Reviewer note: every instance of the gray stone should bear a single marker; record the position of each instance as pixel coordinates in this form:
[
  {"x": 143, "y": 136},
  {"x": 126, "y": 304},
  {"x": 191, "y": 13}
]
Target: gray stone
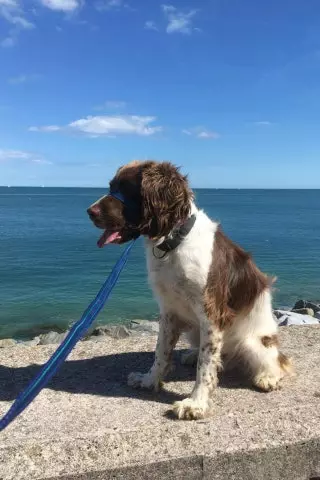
[
  {"x": 144, "y": 327},
  {"x": 7, "y": 342},
  {"x": 32, "y": 343},
  {"x": 114, "y": 331},
  {"x": 304, "y": 311},
  {"x": 52, "y": 338},
  {"x": 88, "y": 425}
]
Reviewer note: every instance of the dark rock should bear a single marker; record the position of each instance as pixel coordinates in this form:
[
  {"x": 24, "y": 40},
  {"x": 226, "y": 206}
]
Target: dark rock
[
  {"x": 306, "y": 304},
  {"x": 278, "y": 314}
]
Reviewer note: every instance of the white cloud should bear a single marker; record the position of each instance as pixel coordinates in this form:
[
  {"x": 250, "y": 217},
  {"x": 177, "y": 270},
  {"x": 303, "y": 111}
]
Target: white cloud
[
  {"x": 99, "y": 126},
  {"x": 8, "y": 42},
  {"x": 47, "y": 128},
  {"x": 150, "y": 25},
  {"x": 104, "y": 5},
  {"x": 20, "y": 155},
  {"x": 208, "y": 134},
  {"x": 23, "y": 78},
  {"x": 202, "y": 133},
  {"x": 263, "y": 123},
  {"x": 12, "y": 12},
  {"x": 178, "y": 21},
  {"x": 111, "y": 105},
  {"x": 62, "y": 5}
]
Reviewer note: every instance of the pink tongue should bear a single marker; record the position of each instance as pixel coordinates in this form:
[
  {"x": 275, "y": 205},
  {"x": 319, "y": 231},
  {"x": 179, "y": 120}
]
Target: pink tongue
[{"x": 108, "y": 238}]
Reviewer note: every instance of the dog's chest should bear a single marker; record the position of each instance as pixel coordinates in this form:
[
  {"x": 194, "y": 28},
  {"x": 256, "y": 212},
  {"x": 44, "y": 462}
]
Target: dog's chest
[{"x": 179, "y": 279}]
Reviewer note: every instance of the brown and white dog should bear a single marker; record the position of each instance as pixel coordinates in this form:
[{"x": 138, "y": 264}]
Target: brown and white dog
[{"x": 204, "y": 283}]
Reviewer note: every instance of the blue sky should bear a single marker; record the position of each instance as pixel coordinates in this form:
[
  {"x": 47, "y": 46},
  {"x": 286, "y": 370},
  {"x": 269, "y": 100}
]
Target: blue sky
[{"x": 228, "y": 89}]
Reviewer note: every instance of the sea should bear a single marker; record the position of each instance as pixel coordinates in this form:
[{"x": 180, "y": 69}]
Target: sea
[{"x": 51, "y": 268}]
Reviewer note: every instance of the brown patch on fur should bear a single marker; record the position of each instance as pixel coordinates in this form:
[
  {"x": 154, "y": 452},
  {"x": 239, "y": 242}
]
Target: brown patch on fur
[
  {"x": 271, "y": 341},
  {"x": 285, "y": 363},
  {"x": 234, "y": 282},
  {"x": 166, "y": 198}
]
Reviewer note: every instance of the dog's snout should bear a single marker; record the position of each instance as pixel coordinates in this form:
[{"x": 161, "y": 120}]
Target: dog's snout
[{"x": 94, "y": 211}]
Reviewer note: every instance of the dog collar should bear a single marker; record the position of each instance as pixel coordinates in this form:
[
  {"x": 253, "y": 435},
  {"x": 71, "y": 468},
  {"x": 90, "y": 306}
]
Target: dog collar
[{"x": 178, "y": 236}]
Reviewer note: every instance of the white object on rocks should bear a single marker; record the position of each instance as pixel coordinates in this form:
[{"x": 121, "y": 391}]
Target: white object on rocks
[{"x": 284, "y": 317}]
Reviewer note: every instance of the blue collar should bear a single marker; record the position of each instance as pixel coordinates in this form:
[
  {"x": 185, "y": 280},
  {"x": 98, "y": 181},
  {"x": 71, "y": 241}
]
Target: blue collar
[
  {"x": 118, "y": 195},
  {"x": 132, "y": 208}
]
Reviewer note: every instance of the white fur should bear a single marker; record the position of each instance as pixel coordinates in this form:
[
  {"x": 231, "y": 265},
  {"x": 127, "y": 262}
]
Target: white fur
[{"x": 178, "y": 281}]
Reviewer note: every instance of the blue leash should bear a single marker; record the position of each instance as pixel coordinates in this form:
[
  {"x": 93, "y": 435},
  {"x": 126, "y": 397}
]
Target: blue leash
[{"x": 59, "y": 356}]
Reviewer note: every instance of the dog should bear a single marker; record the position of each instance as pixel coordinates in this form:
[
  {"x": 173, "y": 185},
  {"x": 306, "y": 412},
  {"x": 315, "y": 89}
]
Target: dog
[{"x": 205, "y": 284}]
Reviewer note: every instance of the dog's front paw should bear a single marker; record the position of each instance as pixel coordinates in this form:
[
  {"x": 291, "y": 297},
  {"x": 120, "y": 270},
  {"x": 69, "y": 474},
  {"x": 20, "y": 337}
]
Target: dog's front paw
[
  {"x": 267, "y": 382},
  {"x": 141, "y": 380},
  {"x": 190, "y": 409}
]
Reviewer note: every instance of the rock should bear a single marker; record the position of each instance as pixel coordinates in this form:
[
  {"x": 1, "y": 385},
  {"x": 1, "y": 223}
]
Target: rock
[
  {"x": 277, "y": 314},
  {"x": 52, "y": 338},
  {"x": 114, "y": 331},
  {"x": 305, "y": 304},
  {"x": 304, "y": 311},
  {"x": 292, "y": 318},
  {"x": 317, "y": 315},
  {"x": 7, "y": 342},
  {"x": 144, "y": 327},
  {"x": 32, "y": 343}
]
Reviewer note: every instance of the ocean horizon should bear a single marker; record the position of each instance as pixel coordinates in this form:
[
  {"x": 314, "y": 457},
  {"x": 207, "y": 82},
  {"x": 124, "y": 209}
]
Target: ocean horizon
[{"x": 50, "y": 267}]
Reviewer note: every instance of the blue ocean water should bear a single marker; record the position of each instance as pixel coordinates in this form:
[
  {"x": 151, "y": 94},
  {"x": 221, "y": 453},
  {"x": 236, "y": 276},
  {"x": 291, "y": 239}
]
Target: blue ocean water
[{"x": 50, "y": 267}]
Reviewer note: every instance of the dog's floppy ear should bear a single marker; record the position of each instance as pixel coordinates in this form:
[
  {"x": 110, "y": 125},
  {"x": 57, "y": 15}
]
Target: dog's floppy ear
[{"x": 166, "y": 198}]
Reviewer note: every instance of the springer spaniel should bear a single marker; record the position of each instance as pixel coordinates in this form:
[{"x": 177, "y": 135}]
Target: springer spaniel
[{"x": 205, "y": 284}]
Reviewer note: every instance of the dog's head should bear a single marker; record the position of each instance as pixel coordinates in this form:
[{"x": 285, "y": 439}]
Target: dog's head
[{"x": 146, "y": 198}]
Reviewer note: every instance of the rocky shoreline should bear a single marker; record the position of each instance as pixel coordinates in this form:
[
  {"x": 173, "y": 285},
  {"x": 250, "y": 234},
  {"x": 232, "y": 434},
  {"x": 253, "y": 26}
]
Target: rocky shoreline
[{"x": 303, "y": 313}]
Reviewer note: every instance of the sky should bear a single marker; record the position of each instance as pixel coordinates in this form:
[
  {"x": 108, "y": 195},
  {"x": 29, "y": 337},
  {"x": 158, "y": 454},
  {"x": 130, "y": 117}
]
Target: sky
[{"x": 227, "y": 89}]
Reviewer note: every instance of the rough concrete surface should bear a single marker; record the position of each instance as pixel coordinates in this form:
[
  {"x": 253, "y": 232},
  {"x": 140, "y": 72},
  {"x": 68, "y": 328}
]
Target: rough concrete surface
[{"x": 89, "y": 425}]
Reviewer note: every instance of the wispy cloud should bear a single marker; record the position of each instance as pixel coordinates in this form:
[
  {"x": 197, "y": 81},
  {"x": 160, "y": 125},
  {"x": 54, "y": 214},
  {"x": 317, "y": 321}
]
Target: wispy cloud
[
  {"x": 105, "y": 5},
  {"x": 23, "y": 78},
  {"x": 263, "y": 123},
  {"x": 178, "y": 21},
  {"x": 150, "y": 25},
  {"x": 46, "y": 128},
  {"x": 12, "y": 12},
  {"x": 111, "y": 105},
  {"x": 20, "y": 155},
  {"x": 62, "y": 5},
  {"x": 202, "y": 133},
  {"x": 106, "y": 126}
]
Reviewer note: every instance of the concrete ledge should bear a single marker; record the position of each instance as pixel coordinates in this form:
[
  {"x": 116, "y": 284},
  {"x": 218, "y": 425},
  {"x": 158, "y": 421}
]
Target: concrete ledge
[{"x": 89, "y": 425}]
